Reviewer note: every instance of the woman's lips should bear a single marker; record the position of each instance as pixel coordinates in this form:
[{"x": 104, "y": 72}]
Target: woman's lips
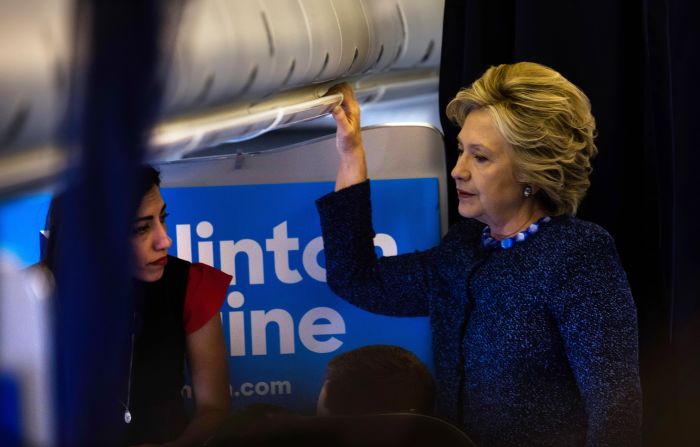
[
  {"x": 160, "y": 261},
  {"x": 464, "y": 194}
]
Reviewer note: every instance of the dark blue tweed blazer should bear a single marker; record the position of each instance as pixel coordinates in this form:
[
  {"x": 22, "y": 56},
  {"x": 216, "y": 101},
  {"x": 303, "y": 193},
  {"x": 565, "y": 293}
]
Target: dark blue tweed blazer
[{"x": 534, "y": 346}]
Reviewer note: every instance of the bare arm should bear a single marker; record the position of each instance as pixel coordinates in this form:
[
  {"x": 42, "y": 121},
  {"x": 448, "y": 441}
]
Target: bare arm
[
  {"x": 206, "y": 354},
  {"x": 348, "y": 139}
]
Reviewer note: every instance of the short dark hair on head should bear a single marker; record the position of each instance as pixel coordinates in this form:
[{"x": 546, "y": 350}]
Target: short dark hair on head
[{"x": 378, "y": 379}]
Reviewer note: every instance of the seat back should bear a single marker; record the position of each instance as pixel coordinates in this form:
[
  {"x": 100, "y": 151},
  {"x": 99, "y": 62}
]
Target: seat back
[{"x": 383, "y": 430}]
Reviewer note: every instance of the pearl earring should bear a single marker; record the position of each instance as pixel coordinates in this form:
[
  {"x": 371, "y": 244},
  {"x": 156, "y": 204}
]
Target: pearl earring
[{"x": 527, "y": 191}]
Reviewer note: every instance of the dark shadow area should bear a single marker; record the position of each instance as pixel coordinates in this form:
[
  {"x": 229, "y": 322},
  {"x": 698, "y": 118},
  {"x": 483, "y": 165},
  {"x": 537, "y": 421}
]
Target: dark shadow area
[{"x": 386, "y": 430}]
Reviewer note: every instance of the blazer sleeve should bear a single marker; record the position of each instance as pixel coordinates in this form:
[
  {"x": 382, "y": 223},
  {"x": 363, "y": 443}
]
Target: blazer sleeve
[
  {"x": 205, "y": 293},
  {"x": 597, "y": 320},
  {"x": 395, "y": 285}
]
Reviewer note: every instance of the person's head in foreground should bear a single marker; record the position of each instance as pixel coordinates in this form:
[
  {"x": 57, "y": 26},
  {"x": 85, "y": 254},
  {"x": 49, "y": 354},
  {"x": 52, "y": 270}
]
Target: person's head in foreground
[{"x": 376, "y": 379}]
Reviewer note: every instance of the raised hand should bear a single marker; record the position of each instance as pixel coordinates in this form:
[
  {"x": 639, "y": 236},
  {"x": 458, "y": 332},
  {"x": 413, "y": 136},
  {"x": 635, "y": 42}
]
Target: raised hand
[{"x": 348, "y": 139}]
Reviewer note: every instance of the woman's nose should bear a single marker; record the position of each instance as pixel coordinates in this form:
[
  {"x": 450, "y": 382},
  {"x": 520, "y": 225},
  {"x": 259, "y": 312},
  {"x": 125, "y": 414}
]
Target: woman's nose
[
  {"x": 162, "y": 240},
  {"x": 460, "y": 171}
]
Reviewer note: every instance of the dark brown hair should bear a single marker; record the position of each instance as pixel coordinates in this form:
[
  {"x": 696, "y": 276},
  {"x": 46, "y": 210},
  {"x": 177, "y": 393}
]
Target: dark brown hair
[{"x": 378, "y": 379}]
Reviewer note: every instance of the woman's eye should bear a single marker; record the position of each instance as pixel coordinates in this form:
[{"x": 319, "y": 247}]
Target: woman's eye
[
  {"x": 480, "y": 158},
  {"x": 140, "y": 230},
  {"x": 163, "y": 217}
]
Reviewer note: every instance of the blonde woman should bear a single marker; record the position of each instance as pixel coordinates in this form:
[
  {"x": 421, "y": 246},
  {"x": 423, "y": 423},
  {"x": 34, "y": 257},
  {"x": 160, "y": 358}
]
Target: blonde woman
[{"x": 534, "y": 329}]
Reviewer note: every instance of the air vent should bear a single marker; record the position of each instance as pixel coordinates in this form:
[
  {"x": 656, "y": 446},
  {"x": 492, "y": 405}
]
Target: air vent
[
  {"x": 354, "y": 59},
  {"x": 290, "y": 72},
  {"x": 323, "y": 68},
  {"x": 16, "y": 125},
  {"x": 428, "y": 52},
  {"x": 270, "y": 40},
  {"x": 206, "y": 89},
  {"x": 251, "y": 80}
]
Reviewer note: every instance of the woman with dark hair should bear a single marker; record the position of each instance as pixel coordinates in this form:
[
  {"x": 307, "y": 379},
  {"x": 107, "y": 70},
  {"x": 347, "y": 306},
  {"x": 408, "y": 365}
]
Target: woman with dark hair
[{"x": 176, "y": 318}]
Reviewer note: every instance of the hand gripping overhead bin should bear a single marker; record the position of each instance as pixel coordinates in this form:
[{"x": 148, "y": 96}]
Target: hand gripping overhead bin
[{"x": 279, "y": 51}]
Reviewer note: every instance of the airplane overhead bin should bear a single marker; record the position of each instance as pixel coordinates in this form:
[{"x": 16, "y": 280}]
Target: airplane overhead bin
[
  {"x": 178, "y": 137},
  {"x": 243, "y": 68},
  {"x": 423, "y": 34},
  {"x": 235, "y": 70}
]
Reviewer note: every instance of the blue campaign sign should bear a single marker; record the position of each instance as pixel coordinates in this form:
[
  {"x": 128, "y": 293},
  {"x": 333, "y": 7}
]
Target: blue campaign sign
[
  {"x": 282, "y": 323},
  {"x": 21, "y": 219}
]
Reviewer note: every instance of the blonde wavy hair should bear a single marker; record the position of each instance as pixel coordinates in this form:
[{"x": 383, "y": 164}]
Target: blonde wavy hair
[{"x": 547, "y": 121}]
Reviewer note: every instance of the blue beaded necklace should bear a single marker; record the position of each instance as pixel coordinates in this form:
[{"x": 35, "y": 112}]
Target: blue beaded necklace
[{"x": 490, "y": 243}]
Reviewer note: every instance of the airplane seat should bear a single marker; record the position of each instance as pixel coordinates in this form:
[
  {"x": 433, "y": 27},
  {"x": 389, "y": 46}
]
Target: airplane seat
[{"x": 380, "y": 430}]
